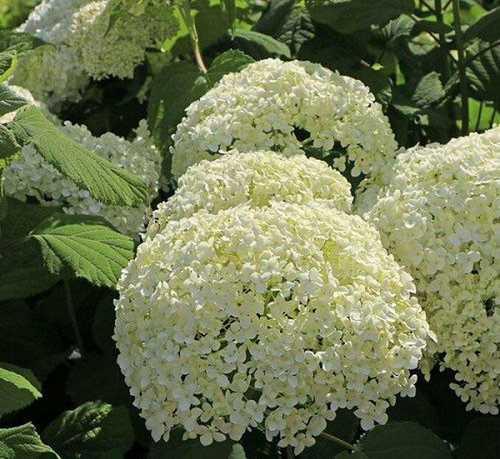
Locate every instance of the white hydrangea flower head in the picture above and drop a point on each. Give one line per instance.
(52, 74)
(274, 316)
(31, 175)
(257, 178)
(440, 217)
(261, 107)
(87, 44)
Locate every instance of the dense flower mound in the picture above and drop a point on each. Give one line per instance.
(87, 43)
(275, 316)
(285, 107)
(32, 176)
(440, 217)
(257, 178)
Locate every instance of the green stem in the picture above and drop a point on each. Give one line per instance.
(479, 115)
(492, 119)
(187, 16)
(461, 67)
(445, 63)
(72, 316)
(337, 440)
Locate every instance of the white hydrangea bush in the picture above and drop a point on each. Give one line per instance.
(273, 317)
(257, 178)
(261, 107)
(86, 42)
(440, 217)
(32, 176)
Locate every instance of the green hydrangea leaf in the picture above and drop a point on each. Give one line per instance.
(86, 245)
(23, 442)
(9, 100)
(94, 430)
(18, 388)
(406, 440)
(105, 182)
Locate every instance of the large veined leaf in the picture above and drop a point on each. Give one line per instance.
(406, 440)
(483, 72)
(348, 16)
(22, 273)
(105, 182)
(8, 62)
(8, 143)
(94, 430)
(260, 45)
(18, 388)
(228, 62)
(487, 28)
(9, 100)
(86, 245)
(289, 22)
(23, 442)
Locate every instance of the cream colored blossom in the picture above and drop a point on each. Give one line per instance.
(275, 316)
(264, 106)
(32, 176)
(257, 178)
(87, 43)
(440, 217)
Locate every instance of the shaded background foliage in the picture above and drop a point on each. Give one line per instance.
(433, 86)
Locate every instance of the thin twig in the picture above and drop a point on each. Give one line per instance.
(461, 67)
(187, 16)
(427, 6)
(492, 119)
(72, 316)
(337, 440)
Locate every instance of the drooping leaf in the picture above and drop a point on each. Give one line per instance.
(428, 90)
(481, 439)
(228, 62)
(259, 45)
(9, 100)
(18, 388)
(23, 442)
(348, 16)
(406, 440)
(8, 143)
(94, 430)
(86, 245)
(289, 22)
(487, 28)
(105, 182)
(483, 72)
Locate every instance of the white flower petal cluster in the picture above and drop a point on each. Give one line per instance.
(87, 42)
(32, 176)
(273, 316)
(440, 217)
(264, 106)
(257, 178)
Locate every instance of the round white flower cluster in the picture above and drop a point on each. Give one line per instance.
(257, 178)
(286, 107)
(85, 41)
(31, 175)
(440, 217)
(269, 313)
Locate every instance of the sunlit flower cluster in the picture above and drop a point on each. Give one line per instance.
(273, 316)
(32, 176)
(440, 217)
(286, 107)
(257, 178)
(89, 39)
